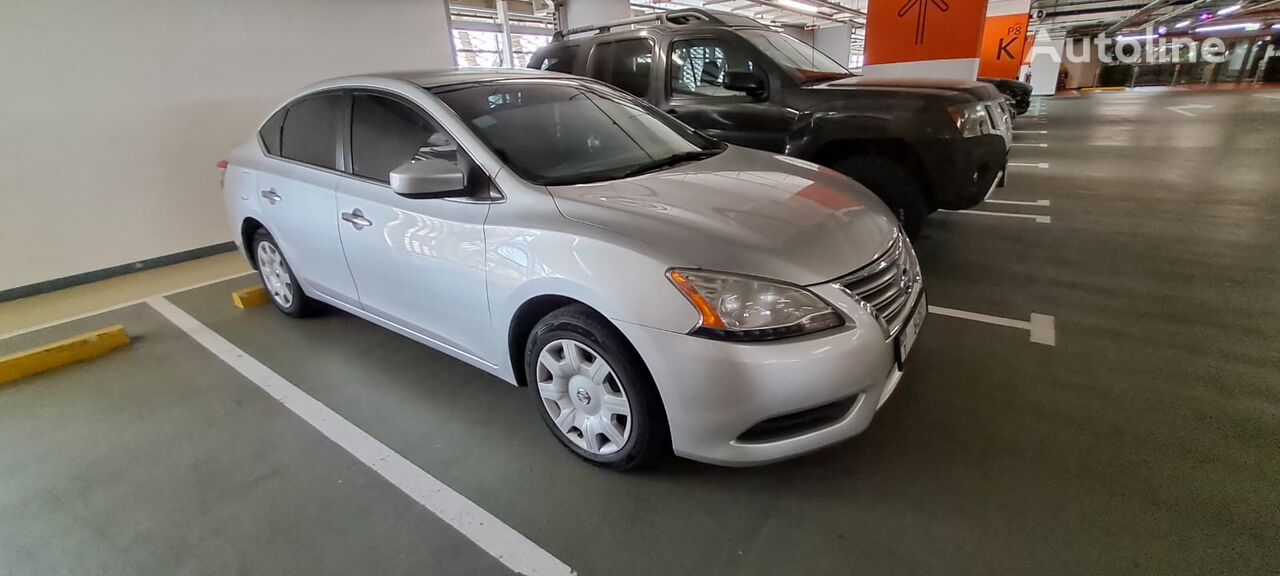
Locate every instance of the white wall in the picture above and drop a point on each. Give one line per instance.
(114, 113)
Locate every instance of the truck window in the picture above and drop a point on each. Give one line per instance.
(698, 67)
(558, 59)
(624, 64)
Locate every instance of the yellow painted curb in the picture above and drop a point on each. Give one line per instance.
(59, 354)
(250, 297)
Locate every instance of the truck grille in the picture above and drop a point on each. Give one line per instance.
(888, 285)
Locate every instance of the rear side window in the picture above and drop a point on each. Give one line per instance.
(624, 64)
(270, 132)
(557, 59)
(312, 130)
(386, 134)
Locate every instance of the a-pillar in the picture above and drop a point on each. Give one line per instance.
(587, 12)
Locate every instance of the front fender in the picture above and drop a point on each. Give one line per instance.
(623, 284)
(813, 130)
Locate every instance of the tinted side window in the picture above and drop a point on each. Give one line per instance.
(624, 64)
(558, 59)
(312, 130)
(698, 66)
(270, 132)
(386, 134)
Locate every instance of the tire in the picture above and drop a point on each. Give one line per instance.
(894, 184)
(278, 278)
(614, 420)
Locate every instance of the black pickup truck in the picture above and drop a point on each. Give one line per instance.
(919, 148)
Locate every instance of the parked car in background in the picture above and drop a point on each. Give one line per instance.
(918, 148)
(655, 289)
(1019, 92)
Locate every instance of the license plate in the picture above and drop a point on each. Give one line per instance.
(907, 338)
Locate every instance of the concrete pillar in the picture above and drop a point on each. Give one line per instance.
(588, 12)
(834, 41)
(924, 38)
(1046, 60)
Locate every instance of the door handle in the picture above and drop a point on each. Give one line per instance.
(270, 196)
(672, 111)
(356, 219)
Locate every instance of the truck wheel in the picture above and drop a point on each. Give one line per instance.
(891, 181)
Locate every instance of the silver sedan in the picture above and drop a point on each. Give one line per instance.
(656, 291)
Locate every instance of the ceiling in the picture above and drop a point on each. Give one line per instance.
(811, 13)
(1071, 16)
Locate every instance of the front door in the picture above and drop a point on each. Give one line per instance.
(417, 263)
(695, 93)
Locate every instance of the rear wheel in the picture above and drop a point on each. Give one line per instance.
(894, 184)
(593, 392)
(278, 277)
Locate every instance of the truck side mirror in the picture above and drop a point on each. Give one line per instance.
(749, 82)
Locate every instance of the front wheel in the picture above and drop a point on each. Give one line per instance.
(593, 392)
(894, 185)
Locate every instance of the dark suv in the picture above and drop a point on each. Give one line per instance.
(919, 148)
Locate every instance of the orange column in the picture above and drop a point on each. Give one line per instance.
(924, 38)
(1003, 46)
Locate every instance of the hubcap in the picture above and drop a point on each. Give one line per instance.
(583, 397)
(274, 274)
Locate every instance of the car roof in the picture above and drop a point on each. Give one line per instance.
(431, 78)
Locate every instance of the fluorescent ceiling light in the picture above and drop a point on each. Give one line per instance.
(1249, 26)
(1182, 24)
(1229, 10)
(810, 8)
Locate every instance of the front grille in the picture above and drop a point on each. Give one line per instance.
(887, 285)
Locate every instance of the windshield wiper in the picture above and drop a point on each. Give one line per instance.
(669, 161)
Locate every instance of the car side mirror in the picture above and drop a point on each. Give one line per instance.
(429, 178)
(749, 82)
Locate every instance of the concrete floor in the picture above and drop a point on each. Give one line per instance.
(1147, 441)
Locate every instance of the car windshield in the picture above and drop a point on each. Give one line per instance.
(803, 61)
(557, 132)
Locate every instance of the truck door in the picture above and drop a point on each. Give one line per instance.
(694, 92)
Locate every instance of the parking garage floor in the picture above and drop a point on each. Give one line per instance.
(1141, 437)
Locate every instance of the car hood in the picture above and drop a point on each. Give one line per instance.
(979, 90)
(742, 211)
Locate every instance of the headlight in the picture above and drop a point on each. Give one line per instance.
(970, 119)
(742, 308)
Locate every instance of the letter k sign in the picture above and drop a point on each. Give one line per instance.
(1005, 45)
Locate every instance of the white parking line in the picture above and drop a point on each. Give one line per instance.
(1019, 202)
(1041, 326)
(1035, 145)
(1038, 165)
(1030, 131)
(1036, 217)
(119, 306)
(487, 531)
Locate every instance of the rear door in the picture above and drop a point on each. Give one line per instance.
(694, 92)
(296, 193)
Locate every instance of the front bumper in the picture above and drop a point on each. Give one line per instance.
(716, 392)
(962, 170)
